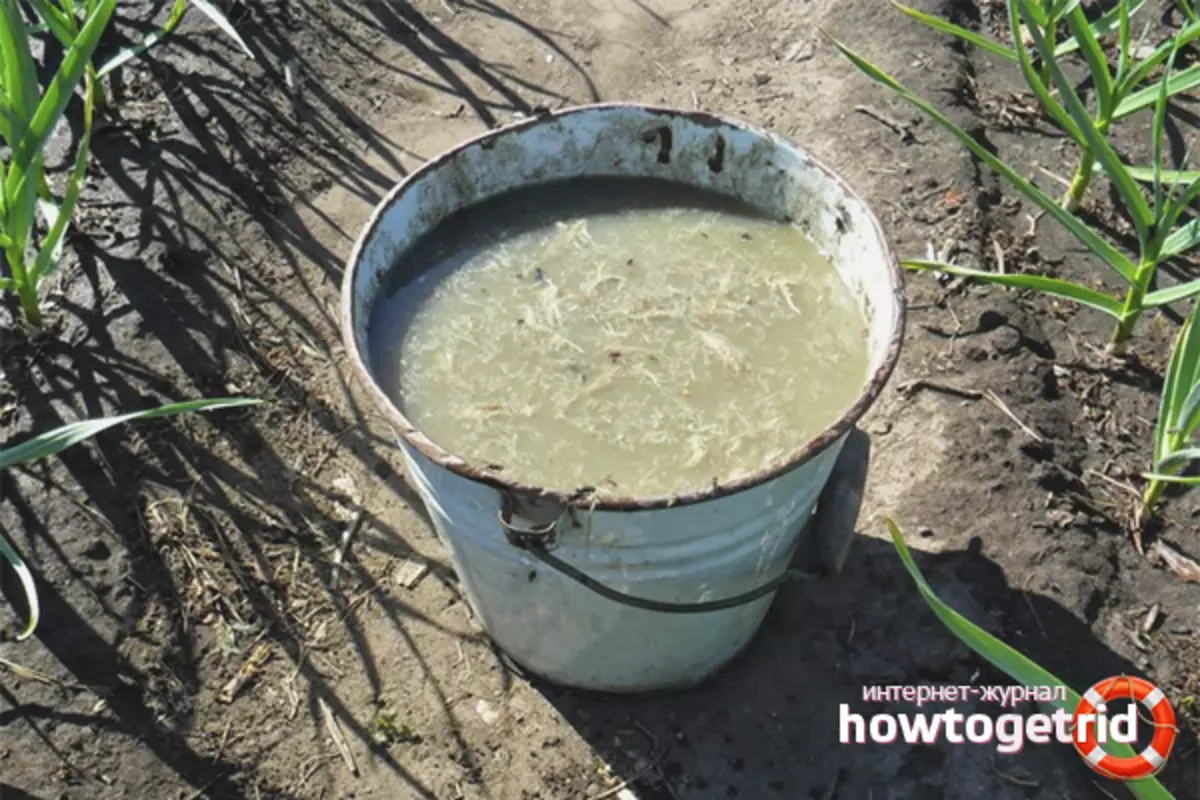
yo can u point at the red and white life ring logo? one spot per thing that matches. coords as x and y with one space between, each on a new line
1091 709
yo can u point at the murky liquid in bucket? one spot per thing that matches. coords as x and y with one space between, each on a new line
638 337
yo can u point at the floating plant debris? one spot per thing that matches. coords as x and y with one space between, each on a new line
641 337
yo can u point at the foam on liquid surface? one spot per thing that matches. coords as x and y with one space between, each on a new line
632 336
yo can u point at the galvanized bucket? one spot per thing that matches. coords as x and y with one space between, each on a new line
633 593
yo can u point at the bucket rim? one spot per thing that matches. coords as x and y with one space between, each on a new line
587 497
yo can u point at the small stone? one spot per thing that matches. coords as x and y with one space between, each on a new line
1060 517
1006 340
800 51
346 485
487 712
410 573
761 79
348 489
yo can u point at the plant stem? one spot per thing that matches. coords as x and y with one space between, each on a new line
1083 172
26 292
29 303
1132 309
100 98
1151 496
1123 330
1080 181
1155 488
1049 34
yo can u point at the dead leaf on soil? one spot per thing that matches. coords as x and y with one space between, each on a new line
1185 568
339 738
258 657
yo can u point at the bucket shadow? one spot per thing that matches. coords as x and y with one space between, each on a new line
768 724
9 792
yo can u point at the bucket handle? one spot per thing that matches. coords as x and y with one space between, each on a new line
833 523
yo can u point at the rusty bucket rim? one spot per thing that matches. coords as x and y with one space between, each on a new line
586 497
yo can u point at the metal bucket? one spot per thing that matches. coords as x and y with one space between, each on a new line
636 593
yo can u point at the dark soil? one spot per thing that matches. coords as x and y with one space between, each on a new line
200 639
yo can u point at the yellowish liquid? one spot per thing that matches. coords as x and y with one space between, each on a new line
636 337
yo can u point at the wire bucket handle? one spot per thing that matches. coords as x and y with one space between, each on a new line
833 524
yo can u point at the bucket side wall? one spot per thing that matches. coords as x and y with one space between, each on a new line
566 632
